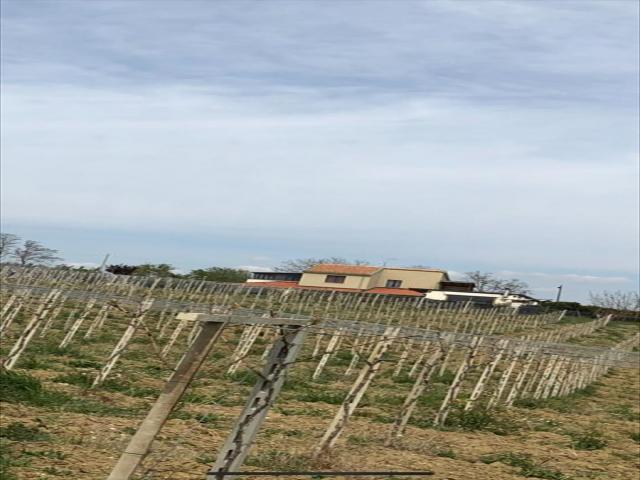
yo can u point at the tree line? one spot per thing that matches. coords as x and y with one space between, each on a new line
14 249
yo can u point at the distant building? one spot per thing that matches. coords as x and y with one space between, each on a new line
514 300
260 277
364 277
408 282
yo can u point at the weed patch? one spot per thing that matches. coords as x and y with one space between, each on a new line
590 440
564 404
82 363
481 419
446 453
528 468
243 378
21 388
277 460
19 432
319 395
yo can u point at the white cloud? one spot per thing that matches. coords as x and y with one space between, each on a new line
501 136
254 268
571 277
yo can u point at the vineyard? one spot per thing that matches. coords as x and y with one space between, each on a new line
258 379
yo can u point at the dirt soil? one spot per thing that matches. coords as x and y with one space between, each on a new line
86 445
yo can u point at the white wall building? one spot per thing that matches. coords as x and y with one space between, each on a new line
506 299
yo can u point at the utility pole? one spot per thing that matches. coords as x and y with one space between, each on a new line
104 263
559 293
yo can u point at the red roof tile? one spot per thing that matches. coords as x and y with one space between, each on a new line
407 292
343 269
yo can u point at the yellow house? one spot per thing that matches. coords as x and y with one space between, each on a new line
365 277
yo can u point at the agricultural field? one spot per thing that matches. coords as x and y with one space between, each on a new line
395 385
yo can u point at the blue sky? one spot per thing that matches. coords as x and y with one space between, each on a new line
500 136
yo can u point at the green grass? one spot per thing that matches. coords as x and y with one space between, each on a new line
82 363
85 380
20 388
277 460
282 431
78 379
28 390
480 418
19 432
625 411
589 440
528 468
129 389
244 377
446 453
8 461
206 459
320 395
566 404
358 440
50 454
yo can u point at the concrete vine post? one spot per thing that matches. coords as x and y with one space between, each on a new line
237 445
421 383
454 389
123 343
486 375
188 366
358 389
21 344
76 325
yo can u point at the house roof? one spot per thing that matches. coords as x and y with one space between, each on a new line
407 292
294 284
362 270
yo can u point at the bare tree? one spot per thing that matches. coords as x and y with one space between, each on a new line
34 253
513 285
488 282
302 264
618 300
8 242
483 280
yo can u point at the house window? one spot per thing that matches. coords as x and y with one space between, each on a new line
335 279
394 283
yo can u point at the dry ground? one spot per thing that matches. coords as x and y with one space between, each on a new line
67 431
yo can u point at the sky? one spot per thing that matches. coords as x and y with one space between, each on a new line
499 136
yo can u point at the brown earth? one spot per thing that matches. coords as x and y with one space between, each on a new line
85 446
